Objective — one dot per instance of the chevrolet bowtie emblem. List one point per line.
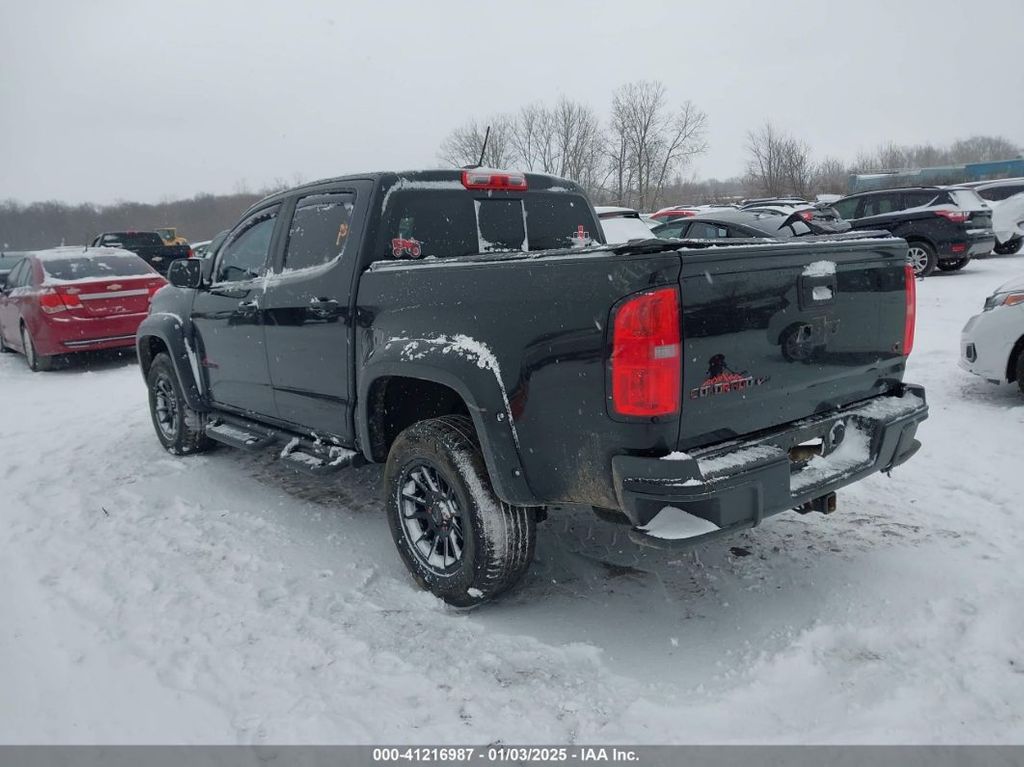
(114, 286)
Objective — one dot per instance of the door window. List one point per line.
(244, 255)
(846, 208)
(917, 199)
(319, 230)
(879, 204)
(21, 275)
(671, 230)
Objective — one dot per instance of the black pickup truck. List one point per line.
(470, 330)
(149, 246)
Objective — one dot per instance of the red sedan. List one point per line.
(68, 300)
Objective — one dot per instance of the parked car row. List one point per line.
(944, 226)
(74, 299)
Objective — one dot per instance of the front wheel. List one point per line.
(922, 258)
(178, 427)
(1009, 247)
(457, 538)
(954, 265)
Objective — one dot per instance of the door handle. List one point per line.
(248, 306)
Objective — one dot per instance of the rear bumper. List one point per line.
(65, 335)
(736, 485)
(974, 242)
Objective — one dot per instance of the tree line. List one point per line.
(41, 225)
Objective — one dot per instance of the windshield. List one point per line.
(444, 224)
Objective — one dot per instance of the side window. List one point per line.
(995, 194)
(319, 230)
(15, 275)
(23, 278)
(675, 229)
(244, 254)
(878, 204)
(917, 199)
(706, 230)
(846, 208)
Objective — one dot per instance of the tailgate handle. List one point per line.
(817, 290)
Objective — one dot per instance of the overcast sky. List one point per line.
(141, 100)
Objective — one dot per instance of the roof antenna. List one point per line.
(487, 135)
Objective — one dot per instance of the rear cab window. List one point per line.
(444, 220)
(132, 240)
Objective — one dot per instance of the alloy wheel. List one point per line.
(431, 519)
(165, 408)
(918, 258)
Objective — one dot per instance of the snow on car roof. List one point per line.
(76, 251)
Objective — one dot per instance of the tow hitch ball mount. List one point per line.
(825, 504)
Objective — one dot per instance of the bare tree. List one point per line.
(778, 163)
(830, 176)
(649, 141)
(463, 145)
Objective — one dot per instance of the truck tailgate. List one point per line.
(776, 334)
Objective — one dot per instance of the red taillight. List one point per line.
(911, 315)
(191, 253)
(486, 179)
(956, 216)
(807, 215)
(958, 247)
(60, 300)
(646, 356)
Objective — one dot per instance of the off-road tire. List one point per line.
(36, 362)
(922, 257)
(179, 428)
(954, 265)
(498, 539)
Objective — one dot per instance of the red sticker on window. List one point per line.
(401, 247)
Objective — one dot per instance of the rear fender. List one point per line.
(477, 381)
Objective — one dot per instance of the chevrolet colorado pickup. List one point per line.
(470, 330)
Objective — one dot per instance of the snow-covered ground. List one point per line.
(221, 598)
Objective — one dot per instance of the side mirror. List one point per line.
(186, 273)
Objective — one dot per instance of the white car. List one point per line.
(622, 224)
(1006, 198)
(992, 343)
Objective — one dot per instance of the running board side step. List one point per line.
(245, 436)
(317, 458)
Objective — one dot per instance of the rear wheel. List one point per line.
(955, 265)
(922, 258)
(1009, 247)
(36, 361)
(178, 427)
(456, 537)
